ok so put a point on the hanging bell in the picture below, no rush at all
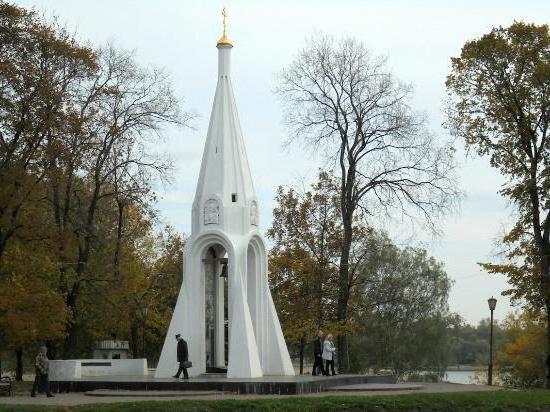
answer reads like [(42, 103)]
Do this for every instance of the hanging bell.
[(223, 274)]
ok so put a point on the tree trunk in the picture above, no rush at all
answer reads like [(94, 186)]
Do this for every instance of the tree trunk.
[(545, 266), (544, 252), (547, 382), (134, 340), (343, 296), (4, 236), (19, 364), (70, 348), (118, 243), (302, 345), (84, 251)]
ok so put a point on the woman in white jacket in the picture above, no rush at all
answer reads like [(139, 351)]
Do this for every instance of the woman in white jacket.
[(328, 354)]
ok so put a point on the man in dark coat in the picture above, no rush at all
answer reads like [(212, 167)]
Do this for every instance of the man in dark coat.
[(42, 367), (318, 353), (183, 357)]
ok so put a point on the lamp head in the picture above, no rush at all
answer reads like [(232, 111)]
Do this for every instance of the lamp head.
[(492, 303)]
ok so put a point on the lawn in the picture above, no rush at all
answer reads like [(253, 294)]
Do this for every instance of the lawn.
[(505, 400)]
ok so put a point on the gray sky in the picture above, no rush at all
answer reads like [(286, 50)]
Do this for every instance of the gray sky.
[(418, 37)]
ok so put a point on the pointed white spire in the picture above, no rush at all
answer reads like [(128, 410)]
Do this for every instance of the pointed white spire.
[(225, 194)]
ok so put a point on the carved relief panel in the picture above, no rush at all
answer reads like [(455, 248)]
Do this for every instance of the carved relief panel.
[(254, 218), (211, 212)]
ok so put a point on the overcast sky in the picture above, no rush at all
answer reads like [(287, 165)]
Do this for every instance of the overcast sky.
[(418, 37)]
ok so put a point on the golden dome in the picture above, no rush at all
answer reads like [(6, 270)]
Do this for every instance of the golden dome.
[(224, 41)]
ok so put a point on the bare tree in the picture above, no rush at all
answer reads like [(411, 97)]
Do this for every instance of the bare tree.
[(108, 161), (341, 99)]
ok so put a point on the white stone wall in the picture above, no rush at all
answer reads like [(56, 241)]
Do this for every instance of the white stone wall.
[(81, 368)]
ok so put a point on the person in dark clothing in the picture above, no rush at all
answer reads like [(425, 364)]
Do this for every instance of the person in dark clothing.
[(183, 357), (318, 353), (42, 367)]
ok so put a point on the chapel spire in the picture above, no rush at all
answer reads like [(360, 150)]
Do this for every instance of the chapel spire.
[(225, 195)]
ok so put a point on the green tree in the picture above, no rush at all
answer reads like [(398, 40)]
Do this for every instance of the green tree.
[(404, 310), (469, 343), (397, 297), (499, 90)]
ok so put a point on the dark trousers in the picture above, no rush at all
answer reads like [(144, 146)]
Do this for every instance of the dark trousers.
[(331, 364), (182, 369), (318, 363), (42, 383)]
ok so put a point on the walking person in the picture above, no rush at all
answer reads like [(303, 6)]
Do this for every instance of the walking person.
[(318, 354), (183, 357), (42, 369), (328, 354)]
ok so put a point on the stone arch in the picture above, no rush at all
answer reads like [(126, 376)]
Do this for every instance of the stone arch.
[(256, 284), (210, 303)]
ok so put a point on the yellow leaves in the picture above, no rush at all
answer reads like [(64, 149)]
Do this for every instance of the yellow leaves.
[(30, 311), (523, 356)]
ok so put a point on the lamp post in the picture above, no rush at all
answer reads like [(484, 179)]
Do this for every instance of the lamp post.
[(144, 310), (492, 304)]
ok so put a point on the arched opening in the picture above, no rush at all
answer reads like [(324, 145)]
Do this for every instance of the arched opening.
[(215, 308), (252, 291)]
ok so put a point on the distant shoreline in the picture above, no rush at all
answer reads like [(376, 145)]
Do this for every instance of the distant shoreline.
[(465, 368)]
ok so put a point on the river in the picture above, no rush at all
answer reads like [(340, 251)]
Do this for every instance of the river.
[(467, 376)]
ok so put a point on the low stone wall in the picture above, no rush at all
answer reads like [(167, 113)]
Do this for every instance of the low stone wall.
[(282, 385), (62, 370)]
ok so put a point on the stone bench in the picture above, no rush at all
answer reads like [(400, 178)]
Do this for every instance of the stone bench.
[(5, 386)]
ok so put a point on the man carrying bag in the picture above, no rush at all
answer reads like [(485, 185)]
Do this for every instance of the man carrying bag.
[(183, 358)]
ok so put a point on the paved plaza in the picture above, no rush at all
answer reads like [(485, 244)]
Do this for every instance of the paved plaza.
[(71, 399)]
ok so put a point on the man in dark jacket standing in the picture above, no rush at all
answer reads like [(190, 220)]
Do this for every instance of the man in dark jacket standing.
[(183, 357), (42, 366), (318, 353)]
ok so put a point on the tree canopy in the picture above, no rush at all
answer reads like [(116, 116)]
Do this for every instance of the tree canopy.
[(499, 104), (78, 163)]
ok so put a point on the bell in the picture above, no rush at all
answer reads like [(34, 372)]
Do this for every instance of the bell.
[(224, 268)]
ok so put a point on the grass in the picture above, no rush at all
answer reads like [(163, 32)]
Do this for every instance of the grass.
[(505, 400)]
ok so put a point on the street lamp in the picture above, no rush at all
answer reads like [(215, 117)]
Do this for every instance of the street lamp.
[(492, 304), (144, 310)]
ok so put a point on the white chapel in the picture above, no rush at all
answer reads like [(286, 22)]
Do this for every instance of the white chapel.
[(225, 311)]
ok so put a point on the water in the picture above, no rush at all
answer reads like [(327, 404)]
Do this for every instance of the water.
[(464, 377)]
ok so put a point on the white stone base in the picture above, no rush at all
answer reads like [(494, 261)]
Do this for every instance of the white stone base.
[(61, 370)]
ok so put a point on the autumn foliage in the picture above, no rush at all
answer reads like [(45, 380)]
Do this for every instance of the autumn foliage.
[(81, 257)]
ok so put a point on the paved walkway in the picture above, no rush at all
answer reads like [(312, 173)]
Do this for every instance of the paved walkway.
[(377, 387), (69, 399)]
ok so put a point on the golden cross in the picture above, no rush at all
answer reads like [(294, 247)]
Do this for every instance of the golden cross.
[(224, 14)]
